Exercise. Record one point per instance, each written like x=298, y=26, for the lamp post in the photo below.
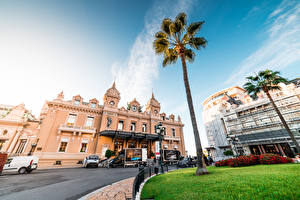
x=159, y=130
x=233, y=139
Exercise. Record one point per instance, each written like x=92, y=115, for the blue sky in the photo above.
x=80, y=47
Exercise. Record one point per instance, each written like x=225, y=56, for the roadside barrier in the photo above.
x=3, y=157
x=145, y=172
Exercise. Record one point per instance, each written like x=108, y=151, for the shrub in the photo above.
x=228, y=153
x=253, y=160
x=273, y=159
x=109, y=153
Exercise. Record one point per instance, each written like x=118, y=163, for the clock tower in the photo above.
x=112, y=97
x=134, y=106
x=153, y=106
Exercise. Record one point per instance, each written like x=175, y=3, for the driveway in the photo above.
x=60, y=183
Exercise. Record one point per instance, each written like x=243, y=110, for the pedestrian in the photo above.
x=205, y=160
x=210, y=160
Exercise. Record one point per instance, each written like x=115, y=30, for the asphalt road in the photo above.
x=60, y=183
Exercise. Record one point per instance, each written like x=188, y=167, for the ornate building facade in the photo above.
x=254, y=124
x=18, y=130
x=71, y=130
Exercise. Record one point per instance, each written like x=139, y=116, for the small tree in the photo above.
x=109, y=153
x=267, y=81
x=128, y=106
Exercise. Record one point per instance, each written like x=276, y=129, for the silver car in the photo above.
x=91, y=161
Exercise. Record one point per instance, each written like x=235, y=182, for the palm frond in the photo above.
x=165, y=26
x=274, y=87
x=185, y=39
x=182, y=18
x=176, y=27
x=170, y=57
x=252, y=89
x=279, y=79
x=194, y=27
x=160, y=35
x=160, y=45
x=197, y=42
x=189, y=55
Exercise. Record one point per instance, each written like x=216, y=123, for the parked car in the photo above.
x=118, y=161
x=21, y=164
x=92, y=160
x=187, y=162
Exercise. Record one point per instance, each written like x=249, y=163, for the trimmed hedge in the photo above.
x=253, y=160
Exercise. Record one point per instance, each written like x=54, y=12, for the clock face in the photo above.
x=155, y=111
x=112, y=103
x=134, y=108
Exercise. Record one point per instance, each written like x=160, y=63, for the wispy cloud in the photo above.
x=134, y=77
x=282, y=46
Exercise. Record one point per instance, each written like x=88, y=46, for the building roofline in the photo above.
x=218, y=93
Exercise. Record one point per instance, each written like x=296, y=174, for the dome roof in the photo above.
x=113, y=92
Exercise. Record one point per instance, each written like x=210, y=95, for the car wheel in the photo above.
x=22, y=170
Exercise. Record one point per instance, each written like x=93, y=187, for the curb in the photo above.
x=87, y=196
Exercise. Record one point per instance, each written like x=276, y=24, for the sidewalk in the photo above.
x=121, y=190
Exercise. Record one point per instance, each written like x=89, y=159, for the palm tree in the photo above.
x=267, y=81
x=176, y=39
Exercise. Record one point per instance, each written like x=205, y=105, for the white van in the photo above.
x=92, y=160
x=21, y=164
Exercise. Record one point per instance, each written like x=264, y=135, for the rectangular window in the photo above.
x=173, y=132
x=76, y=102
x=93, y=105
x=144, y=128
x=63, y=146
x=1, y=144
x=164, y=131
x=120, y=125
x=58, y=162
x=83, y=147
x=21, y=146
x=132, y=127
x=89, y=121
x=71, y=120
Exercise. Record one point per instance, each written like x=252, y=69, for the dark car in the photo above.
x=117, y=161
x=187, y=162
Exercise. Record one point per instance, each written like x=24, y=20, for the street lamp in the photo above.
x=160, y=131
x=233, y=139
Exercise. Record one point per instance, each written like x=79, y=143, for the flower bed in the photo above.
x=253, y=160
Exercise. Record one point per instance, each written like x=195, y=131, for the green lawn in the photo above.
x=281, y=181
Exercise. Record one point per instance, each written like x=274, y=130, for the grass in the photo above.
x=280, y=181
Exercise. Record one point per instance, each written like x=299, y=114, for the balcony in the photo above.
x=166, y=137
x=76, y=129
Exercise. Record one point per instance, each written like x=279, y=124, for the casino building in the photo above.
x=70, y=130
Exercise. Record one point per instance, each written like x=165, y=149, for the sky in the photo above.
x=81, y=47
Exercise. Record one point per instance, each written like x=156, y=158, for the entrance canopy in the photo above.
x=128, y=135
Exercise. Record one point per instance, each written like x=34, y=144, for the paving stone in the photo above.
x=121, y=190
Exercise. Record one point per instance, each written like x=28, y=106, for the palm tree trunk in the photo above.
x=201, y=168
x=283, y=122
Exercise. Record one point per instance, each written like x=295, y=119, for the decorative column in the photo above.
x=279, y=146
x=14, y=142
x=260, y=149
x=276, y=148
x=263, y=149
